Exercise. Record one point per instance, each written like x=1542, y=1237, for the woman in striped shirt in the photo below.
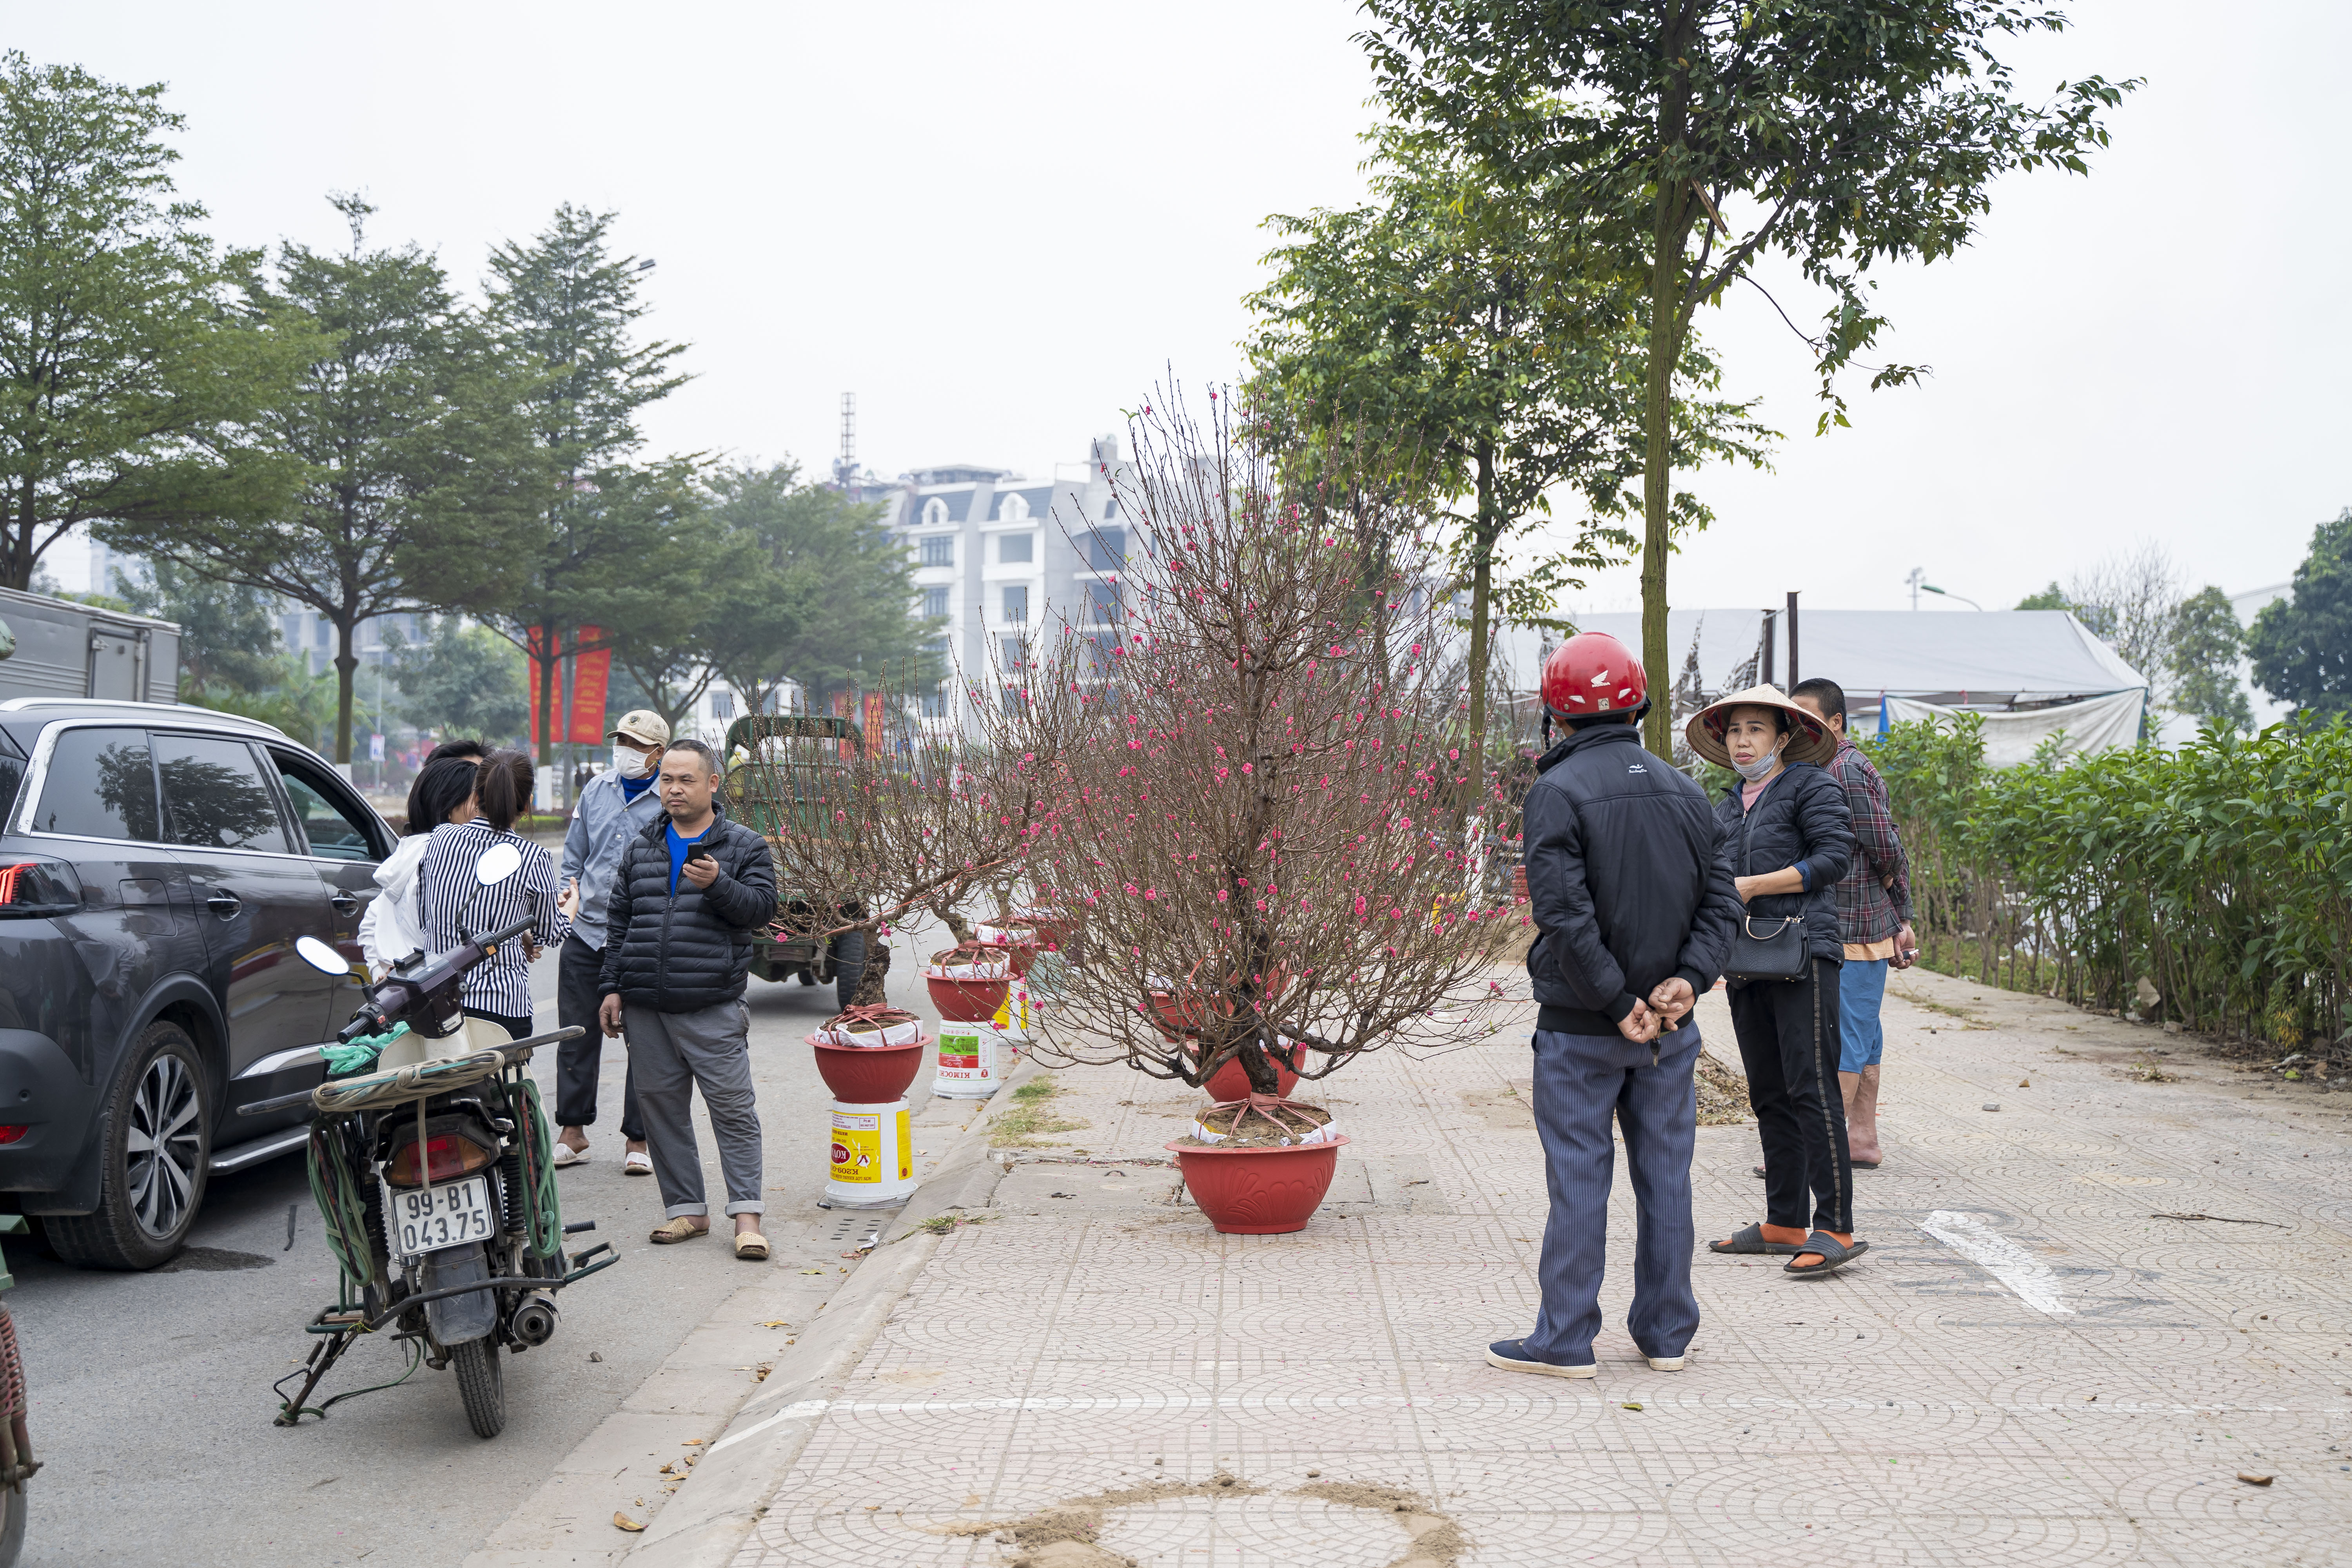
x=497, y=991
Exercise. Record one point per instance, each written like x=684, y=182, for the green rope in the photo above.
x=341, y=1206
x=540, y=1191
x=362, y=1052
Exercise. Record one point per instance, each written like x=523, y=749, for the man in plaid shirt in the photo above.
x=1873, y=905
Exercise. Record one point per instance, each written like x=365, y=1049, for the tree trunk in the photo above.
x=546, y=695
x=874, y=984
x=347, y=664
x=1482, y=570
x=1671, y=232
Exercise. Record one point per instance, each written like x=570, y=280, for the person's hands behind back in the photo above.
x=1640, y=1025
x=1672, y=1000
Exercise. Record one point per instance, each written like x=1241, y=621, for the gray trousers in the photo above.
x=670, y=1055
x=1584, y=1082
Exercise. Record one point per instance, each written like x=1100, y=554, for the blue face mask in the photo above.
x=1757, y=767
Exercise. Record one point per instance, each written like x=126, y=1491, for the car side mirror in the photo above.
x=322, y=957
x=499, y=862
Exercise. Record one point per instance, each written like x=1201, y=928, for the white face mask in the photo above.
x=630, y=762
x=1763, y=764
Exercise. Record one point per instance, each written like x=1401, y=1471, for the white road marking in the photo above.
x=2001, y=1258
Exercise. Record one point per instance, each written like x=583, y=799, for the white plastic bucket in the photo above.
x=871, y=1161
x=971, y=1061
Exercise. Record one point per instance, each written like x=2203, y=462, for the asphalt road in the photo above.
x=150, y=1393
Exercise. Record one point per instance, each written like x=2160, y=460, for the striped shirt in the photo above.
x=445, y=881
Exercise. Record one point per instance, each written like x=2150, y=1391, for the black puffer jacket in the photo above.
x=1628, y=879
x=676, y=953
x=1802, y=816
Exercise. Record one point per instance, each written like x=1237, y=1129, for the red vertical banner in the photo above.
x=843, y=704
x=873, y=722
x=536, y=664
x=592, y=673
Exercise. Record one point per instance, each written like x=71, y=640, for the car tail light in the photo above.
x=37, y=888
x=448, y=1156
x=10, y=1134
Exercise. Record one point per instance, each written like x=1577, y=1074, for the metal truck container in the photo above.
x=57, y=648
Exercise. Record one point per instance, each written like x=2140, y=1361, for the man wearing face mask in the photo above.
x=615, y=807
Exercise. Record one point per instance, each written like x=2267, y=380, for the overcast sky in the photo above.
x=997, y=224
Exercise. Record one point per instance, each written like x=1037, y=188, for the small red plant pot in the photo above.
x=968, y=1001
x=1230, y=1082
x=1259, y=1192
x=869, y=1074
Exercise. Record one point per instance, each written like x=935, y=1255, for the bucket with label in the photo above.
x=872, y=1159
x=972, y=1061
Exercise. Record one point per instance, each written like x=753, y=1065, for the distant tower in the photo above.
x=845, y=467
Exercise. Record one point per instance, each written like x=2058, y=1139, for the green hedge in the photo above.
x=2220, y=873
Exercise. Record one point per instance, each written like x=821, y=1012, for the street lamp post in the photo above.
x=1947, y=593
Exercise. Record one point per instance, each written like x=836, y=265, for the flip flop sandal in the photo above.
x=1752, y=1240
x=680, y=1228
x=565, y=1155
x=751, y=1246
x=1833, y=1257
x=1864, y=1164
x=637, y=1162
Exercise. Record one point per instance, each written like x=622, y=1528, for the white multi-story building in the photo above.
x=1000, y=560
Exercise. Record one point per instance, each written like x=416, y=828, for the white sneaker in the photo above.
x=1668, y=1363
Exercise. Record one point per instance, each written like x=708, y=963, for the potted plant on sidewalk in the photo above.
x=1253, y=815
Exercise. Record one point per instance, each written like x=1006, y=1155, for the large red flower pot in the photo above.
x=1231, y=1082
x=1258, y=1192
x=968, y=1001
x=869, y=1074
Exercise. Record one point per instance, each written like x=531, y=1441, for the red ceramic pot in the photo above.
x=869, y=1074
x=1258, y=1192
x=968, y=1001
x=1230, y=1082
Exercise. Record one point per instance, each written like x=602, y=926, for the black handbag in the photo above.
x=1770, y=947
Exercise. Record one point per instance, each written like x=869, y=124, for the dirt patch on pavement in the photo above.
x=1069, y=1533
x=1722, y=1094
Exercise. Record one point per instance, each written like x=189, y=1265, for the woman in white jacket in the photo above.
x=391, y=928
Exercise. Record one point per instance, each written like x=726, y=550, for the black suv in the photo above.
x=156, y=864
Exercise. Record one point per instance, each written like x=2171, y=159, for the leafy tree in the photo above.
x=128, y=386
x=2053, y=597
x=685, y=575
x=829, y=604
x=1839, y=133
x=420, y=482
x=2206, y=642
x=463, y=679
x=565, y=302
x=228, y=631
x=1455, y=317
x=2301, y=646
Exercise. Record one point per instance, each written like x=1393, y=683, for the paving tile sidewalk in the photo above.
x=1097, y=1336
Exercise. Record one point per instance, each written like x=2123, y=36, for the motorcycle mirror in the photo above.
x=322, y=957
x=499, y=862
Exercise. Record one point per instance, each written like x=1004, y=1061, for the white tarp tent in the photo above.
x=2031, y=673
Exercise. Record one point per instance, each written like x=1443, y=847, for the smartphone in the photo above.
x=698, y=852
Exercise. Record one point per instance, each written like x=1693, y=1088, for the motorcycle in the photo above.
x=433, y=1170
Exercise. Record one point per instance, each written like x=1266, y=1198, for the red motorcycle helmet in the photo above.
x=1591, y=674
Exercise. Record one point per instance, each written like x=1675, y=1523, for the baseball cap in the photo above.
x=643, y=726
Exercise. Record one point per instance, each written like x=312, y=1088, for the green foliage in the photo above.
x=463, y=680
x=2301, y=646
x=228, y=632
x=824, y=599
x=2222, y=872
x=2205, y=640
x=287, y=695
x=127, y=385
x=2053, y=597
x=419, y=478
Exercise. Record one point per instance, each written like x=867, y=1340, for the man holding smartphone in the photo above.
x=691, y=892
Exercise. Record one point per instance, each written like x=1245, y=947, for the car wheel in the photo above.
x=848, y=965
x=158, y=1133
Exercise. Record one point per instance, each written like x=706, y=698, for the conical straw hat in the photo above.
x=1811, y=740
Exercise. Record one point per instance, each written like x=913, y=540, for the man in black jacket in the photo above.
x=688, y=896
x=1631, y=888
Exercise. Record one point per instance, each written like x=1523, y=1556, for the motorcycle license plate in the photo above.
x=427, y=1219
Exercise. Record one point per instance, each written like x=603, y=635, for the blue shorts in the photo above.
x=1862, y=989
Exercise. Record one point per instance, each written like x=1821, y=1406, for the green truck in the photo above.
x=780, y=768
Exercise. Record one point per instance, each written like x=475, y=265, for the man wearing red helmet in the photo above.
x=1630, y=888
